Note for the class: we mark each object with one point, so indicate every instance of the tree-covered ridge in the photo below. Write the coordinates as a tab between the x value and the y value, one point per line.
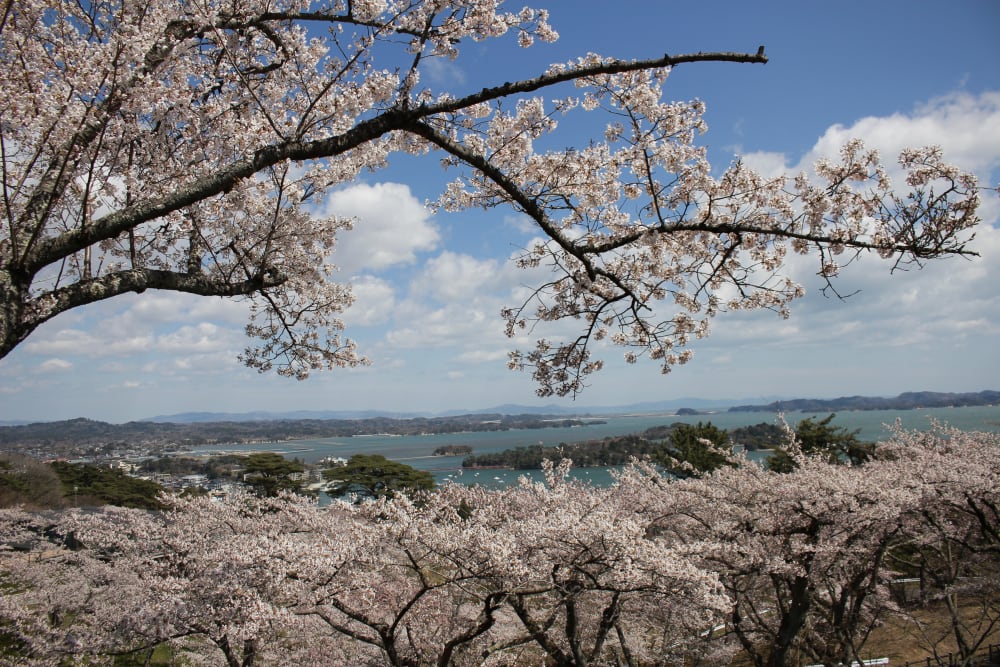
609	451
222	466
367	476
694	450
452	450
34	484
29	483
95	485
88	432
615	450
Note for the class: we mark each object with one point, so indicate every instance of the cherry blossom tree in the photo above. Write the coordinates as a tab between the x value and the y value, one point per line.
581	581
807	556
772	567
952	542
466	577
197	576
182	145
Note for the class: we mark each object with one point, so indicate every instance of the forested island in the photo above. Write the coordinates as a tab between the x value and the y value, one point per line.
453	450
616	450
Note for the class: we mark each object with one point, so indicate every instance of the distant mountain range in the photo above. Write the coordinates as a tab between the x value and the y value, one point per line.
505	409
74	437
906	401
266	416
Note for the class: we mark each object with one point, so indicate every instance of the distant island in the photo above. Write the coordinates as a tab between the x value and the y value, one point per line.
616	450
453	450
83	437
910	400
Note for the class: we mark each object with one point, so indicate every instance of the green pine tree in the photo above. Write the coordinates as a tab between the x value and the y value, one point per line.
373	475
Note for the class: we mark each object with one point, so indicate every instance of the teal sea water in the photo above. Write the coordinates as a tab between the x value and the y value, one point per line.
417	450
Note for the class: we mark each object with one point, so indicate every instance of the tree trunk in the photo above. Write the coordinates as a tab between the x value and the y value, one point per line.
791	622
11	308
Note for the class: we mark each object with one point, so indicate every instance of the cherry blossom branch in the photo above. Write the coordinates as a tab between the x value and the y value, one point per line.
196	146
394	119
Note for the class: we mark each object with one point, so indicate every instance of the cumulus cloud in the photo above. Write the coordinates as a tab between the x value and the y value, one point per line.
198	338
948	299
88	343
374	302
454	303
165	307
966	126
54	364
480	356
521	223
946	302
453	276
133	325
100	342
453	325
441	71
391	227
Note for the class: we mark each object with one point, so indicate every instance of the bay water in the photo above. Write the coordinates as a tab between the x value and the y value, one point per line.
418	450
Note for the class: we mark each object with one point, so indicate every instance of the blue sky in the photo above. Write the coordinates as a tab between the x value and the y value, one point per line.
430	287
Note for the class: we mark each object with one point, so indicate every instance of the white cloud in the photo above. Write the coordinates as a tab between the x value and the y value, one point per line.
60	342
769	164
102	341
944	303
54	364
454	304
966	126
86	343
451	277
391	227
451	326
200	338
181	365
162	307
521	222
441	71
374	302
480	356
